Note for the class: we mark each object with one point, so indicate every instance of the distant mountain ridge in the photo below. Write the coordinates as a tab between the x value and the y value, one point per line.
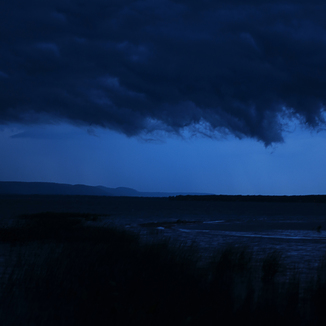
51	188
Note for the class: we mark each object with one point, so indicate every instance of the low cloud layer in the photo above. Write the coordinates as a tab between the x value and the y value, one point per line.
141	66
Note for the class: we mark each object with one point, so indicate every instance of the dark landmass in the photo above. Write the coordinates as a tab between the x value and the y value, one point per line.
254	198
51	188
48	188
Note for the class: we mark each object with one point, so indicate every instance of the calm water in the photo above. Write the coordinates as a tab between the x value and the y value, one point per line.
299	239
288	227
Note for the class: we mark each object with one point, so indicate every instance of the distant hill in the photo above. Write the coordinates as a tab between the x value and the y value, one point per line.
123	191
48	188
51	188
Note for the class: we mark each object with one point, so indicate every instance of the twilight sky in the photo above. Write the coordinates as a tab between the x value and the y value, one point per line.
222	96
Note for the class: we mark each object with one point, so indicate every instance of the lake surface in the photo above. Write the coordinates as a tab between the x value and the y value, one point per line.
298	230
300	239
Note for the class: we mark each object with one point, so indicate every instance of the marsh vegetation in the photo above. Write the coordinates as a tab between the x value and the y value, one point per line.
65	272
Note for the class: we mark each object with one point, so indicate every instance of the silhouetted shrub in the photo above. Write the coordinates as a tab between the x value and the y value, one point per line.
271	266
44	226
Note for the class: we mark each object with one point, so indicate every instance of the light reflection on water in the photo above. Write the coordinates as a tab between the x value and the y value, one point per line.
301	250
211	222
277	234
299	241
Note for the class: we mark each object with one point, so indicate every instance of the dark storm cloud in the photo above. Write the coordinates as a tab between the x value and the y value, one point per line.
134	66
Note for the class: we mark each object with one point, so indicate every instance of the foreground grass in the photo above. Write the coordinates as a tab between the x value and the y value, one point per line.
66	273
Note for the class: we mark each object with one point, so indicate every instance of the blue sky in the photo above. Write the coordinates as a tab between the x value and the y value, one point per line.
68	154
217	96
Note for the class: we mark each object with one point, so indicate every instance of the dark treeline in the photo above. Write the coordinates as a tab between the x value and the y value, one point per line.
254	198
